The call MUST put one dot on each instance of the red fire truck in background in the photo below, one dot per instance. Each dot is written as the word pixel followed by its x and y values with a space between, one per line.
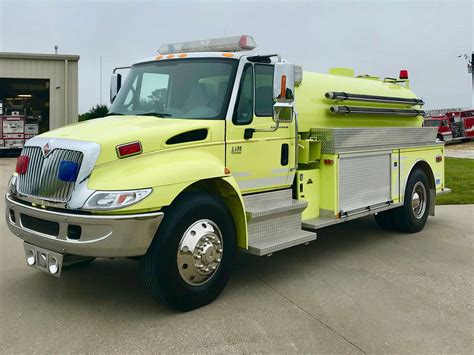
pixel 453 125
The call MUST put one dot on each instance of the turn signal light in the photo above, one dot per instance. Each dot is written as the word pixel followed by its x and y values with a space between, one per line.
pixel 439 158
pixel 129 149
pixel 22 164
pixel 403 74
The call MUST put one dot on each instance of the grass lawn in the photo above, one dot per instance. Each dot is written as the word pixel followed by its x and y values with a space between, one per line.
pixel 459 177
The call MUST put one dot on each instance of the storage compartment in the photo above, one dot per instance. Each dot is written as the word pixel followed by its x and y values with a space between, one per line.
pixel 13 126
pixel 14 143
pixel 364 180
pixel 31 128
pixel 309 151
pixel 13 136
pixel 308 189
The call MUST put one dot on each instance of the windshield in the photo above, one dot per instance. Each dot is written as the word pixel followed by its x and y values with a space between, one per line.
pixel 432 123
pixel 186 88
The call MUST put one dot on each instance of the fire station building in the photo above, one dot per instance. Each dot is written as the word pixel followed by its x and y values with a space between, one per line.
pixel 38 92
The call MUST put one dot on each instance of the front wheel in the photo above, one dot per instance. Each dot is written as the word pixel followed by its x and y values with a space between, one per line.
pixel 188 263
pixel 412 216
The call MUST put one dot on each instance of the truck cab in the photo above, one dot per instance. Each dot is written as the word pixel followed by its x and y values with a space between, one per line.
pixel 209 148
pixel 442 123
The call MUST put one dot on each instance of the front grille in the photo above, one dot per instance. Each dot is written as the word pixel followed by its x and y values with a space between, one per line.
pixel 41 179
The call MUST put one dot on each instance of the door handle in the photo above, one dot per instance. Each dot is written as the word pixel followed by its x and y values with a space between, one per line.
pixel 284 154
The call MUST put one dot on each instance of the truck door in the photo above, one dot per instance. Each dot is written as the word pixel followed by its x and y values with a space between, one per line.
pixel 259 160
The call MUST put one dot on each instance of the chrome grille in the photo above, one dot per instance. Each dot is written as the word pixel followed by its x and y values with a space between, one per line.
pixel 41 179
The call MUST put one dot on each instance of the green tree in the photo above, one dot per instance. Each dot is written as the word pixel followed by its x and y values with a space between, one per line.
pixel 95 112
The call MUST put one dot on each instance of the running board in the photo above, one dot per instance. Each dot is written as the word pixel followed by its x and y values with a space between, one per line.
pixel 274 222
pixel 324 221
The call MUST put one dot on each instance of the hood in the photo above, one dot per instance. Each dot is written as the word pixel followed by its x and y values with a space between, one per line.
pixel 152 132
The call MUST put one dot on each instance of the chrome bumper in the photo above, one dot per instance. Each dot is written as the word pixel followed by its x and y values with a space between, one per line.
pixel 94 235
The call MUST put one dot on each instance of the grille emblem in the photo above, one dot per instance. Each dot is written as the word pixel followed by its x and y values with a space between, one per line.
pixel 46 149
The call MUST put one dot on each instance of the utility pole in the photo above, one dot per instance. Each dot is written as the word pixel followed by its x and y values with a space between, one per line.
pixel 470 63
pixel 100 78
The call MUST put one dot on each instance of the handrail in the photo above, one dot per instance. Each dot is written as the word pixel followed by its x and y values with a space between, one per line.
pixel 373 98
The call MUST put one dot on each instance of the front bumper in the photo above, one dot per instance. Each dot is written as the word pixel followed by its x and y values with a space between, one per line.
pixel 84 235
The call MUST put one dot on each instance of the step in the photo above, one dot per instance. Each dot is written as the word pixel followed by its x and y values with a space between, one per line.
pixel 320 222
pixel 262 247
pixel 274 202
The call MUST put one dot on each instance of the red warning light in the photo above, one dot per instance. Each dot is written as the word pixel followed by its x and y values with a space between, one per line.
pixel 403 74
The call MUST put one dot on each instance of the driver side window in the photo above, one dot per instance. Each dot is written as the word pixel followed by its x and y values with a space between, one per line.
pixel 243 113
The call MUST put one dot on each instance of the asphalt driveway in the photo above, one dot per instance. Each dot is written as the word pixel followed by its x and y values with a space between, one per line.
pixel 357 289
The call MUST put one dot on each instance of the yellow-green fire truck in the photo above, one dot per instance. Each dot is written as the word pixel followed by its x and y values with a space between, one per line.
pixel 209 148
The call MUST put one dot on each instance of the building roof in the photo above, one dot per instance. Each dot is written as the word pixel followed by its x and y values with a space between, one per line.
pixel 38 56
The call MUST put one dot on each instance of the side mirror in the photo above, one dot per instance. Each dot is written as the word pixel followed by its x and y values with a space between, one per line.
pixel 283 112
pixel 115 84
pixel 283 92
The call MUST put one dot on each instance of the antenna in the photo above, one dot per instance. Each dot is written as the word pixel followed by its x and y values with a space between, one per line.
pixel 56 49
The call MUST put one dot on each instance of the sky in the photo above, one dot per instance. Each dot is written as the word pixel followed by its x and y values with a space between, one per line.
pixel 377 37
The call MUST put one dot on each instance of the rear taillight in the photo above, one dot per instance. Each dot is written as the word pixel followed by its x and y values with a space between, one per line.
pixel 22 164
pixel 129 149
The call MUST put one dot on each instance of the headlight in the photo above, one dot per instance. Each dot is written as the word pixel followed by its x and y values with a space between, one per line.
pixel 12 185
pixel 111 200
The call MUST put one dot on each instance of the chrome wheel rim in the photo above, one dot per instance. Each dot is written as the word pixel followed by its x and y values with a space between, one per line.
pixel 418 200
pixel 200 252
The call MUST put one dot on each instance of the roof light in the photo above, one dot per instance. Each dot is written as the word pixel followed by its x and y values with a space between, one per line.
pixel 227 44
pixel 22 164
pixel 403 74
pixel 129 149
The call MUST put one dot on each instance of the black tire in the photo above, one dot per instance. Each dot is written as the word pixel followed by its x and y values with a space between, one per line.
pixel 159 268
pixel 405 219
pixel 385 220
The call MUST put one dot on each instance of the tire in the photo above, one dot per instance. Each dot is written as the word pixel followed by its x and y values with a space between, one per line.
pixel 385 220
pixel 170 270
pixel 411 218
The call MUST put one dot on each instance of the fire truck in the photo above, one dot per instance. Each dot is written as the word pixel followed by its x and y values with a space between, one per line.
pixel 210 148
pixel 453 126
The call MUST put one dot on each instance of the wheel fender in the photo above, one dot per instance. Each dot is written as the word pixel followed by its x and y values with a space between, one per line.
pixel 227 189
pixel 426 168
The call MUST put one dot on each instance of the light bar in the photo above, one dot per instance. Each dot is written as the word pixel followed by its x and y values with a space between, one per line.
pixel 227 44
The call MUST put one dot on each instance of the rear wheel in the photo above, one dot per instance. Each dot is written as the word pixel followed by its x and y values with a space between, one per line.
pixel 188 263
pixel 412 216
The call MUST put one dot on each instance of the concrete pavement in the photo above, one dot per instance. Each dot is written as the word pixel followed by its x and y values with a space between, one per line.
pixel 460 150
pixel 356 290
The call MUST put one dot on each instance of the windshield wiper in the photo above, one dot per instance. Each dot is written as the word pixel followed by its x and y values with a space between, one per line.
pixel 157 114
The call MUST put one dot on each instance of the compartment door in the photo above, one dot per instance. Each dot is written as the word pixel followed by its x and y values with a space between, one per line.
pixel 364 180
